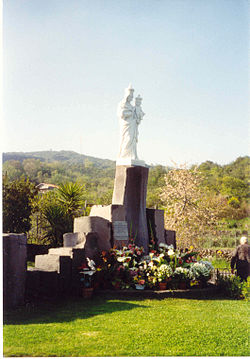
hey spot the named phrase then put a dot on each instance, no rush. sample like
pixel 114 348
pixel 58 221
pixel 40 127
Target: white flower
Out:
pixel 164 271
pixel 184 272
pixel 170 252
pixel 91 264
pixel 201 269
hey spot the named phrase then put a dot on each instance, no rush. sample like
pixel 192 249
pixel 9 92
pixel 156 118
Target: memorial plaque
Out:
pixel 120 230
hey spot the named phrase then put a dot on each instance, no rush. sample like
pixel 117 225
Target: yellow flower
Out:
pixel 191 247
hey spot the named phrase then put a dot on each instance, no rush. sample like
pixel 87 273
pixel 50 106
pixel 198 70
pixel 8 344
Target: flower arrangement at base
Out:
pixel 128 267
pixel 119 266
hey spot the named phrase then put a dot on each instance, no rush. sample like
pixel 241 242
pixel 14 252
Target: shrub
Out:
pixel 17 205
pixel 233 287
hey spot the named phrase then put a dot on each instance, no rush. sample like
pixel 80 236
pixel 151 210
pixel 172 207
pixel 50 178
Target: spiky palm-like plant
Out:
pixel 71 197
pixel 58 223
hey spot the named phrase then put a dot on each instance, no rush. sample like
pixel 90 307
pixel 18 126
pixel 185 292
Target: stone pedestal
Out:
pixel 155 219
pixel 130 190
pixel 14 269
pixel 100 227
pixel 111 212
pixel 170 238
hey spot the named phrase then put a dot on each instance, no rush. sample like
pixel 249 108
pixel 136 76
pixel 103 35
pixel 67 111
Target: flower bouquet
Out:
pixel 139 279
pixel 163 274
pixel 182 277
pixel 202 271
pixel 86 273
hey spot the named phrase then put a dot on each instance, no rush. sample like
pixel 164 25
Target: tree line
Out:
pixel 197 197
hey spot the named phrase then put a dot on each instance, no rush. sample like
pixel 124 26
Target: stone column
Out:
pixel 130 190
pixel 14 269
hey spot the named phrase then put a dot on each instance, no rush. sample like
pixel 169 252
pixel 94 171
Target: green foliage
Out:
pixel 58 223
pixel 128 327
pixel 98 176
pixel 13 170
pixel 234 187
pixel 232 286
pixel 55 212
pixel 230 180
pixel 71 196
pixel 17 205
pixel 227 185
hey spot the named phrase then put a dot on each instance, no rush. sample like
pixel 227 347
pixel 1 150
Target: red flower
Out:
pixel 180 261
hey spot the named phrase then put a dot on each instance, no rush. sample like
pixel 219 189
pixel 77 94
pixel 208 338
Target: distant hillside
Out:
pixel 61 156
pixel 97 175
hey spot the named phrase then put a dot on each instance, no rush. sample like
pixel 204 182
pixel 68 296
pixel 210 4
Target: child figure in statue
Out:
pixel 138 113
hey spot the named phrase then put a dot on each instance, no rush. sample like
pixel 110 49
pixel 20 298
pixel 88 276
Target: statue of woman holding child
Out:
pixel 130 117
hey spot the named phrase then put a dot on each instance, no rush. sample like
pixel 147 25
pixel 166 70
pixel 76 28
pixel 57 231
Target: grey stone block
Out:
pixel 120 234
pixel 70 239
pixel 155 220
pixel 112 212
pixel 170 238
pixel 65 274
pixel 62 251
pixel 33 282
pixel 130 190
pixel 49 284
pixel 100 226
pixel 14 269
pixel 48 262
pixel 53 262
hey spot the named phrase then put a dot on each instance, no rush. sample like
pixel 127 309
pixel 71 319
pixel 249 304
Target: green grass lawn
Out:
pixel 129 327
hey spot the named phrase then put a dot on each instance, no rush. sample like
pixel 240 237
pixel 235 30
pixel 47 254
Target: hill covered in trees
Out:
pixel 97 175
pixel 207 204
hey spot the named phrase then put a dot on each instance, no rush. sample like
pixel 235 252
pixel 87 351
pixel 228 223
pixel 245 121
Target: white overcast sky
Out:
pixel 66 64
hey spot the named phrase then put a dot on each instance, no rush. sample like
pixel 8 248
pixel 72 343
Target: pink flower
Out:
pixel 141 281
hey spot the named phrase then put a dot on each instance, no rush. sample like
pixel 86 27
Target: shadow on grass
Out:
pixel 208 293
pixel 64 310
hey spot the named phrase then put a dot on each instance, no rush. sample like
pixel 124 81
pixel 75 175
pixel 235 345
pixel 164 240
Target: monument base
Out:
pixel 130 162
pixel 130 190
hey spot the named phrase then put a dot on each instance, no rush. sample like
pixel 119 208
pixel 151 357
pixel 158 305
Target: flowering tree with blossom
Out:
pixel 189 209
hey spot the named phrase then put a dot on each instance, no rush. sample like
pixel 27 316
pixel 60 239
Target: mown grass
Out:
pixel 168 327
pixel 220 263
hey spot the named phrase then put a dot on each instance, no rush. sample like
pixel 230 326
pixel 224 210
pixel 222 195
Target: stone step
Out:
pixel 62 251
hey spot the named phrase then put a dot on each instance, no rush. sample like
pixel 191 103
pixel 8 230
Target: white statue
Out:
pixel 130 117
pixel 138 113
